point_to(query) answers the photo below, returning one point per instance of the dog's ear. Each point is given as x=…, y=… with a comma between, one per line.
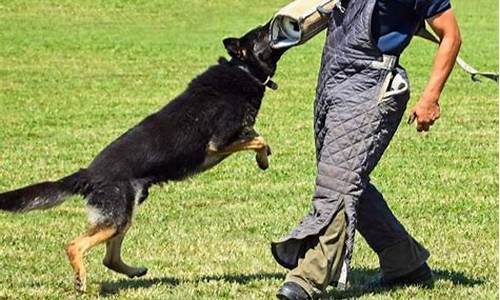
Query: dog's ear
x=233, y=47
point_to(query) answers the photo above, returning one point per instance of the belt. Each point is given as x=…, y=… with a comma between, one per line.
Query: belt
x=388, y=62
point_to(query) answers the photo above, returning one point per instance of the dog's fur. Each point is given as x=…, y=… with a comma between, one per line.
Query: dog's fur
x=210, y=120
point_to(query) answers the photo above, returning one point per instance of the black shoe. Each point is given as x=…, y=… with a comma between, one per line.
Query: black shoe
x=422, y=276
x=292, y=291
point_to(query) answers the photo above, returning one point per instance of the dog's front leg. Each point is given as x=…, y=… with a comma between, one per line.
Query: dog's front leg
x=257, y=144
x=262, y=157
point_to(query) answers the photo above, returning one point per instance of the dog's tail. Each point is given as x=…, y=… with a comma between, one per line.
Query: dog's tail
x=43, y=195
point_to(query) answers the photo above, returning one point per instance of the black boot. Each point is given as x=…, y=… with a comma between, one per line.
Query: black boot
x=292, y=291
x=422, y=276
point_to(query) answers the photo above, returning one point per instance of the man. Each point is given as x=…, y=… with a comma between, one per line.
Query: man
x=361, y=97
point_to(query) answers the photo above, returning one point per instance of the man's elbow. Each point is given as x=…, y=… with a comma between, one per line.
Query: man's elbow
x=458, y=41
x=454, y=40
x=457, y=44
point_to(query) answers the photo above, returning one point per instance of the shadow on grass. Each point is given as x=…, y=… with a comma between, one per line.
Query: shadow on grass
x=361, y=276
x=111, y=288
x=457, y=278
x=242, y=278
x=358, y=277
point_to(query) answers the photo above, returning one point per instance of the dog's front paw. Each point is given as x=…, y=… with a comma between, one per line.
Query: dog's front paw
x=261, y=158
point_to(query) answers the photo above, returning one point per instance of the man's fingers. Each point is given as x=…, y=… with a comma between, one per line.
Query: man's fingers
x=425, y=114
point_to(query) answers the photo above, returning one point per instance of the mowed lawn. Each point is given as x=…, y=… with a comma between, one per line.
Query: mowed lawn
x=75, y=74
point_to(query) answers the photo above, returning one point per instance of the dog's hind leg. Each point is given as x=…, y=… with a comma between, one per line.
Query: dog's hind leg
x=113, y=259
x=110, y=209
x=76, y=250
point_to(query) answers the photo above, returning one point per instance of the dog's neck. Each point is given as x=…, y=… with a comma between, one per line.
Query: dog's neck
x=261, y=77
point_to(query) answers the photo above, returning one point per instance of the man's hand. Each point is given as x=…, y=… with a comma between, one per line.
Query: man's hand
x=425, y=112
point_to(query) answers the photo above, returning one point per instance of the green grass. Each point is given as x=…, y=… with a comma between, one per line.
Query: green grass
x=76, y=74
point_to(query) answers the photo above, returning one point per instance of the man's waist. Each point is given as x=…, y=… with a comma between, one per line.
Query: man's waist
x=386, y=62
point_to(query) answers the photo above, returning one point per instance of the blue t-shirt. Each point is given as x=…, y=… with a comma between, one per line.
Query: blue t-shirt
x=395, y=21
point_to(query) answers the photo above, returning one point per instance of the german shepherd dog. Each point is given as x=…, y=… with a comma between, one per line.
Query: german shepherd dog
x=210, y=120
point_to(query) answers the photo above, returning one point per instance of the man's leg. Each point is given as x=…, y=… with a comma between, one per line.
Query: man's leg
x=399, y=254
x=314, y=272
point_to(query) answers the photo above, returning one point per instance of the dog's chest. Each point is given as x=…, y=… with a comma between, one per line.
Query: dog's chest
x=210, y=161
x=249, y=116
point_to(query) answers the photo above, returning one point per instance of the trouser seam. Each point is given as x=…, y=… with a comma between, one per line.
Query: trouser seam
x=402, y=240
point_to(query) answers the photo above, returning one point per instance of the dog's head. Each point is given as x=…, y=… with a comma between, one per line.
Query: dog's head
x=254, y=50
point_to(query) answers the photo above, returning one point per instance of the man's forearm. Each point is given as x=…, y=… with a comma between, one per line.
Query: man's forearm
x=443, y=65
x=446, y=55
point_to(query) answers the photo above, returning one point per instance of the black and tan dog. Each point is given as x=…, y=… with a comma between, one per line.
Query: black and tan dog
x=209, y=121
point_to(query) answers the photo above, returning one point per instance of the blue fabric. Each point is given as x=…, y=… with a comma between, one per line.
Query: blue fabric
x=395, y=21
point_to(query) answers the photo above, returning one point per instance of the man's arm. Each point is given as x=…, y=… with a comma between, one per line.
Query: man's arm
x=426, y=111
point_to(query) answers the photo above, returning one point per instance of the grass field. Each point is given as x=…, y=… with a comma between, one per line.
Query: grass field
x=74, y=74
